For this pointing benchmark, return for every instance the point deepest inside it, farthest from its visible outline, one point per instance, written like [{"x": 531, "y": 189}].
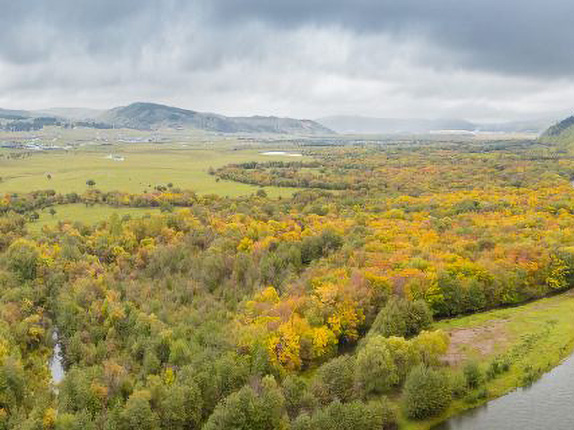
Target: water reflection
[
  {"x": 547, "y": 405},
  {"x": 56, "y": 361}
]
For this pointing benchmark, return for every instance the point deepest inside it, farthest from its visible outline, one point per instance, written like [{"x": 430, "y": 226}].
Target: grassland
[
  {"x": 534, "y": 338},
  {"x": 87, "y": 215},
  {"x": 181, "y": 160},
  {"x": 142, "y": 168}
]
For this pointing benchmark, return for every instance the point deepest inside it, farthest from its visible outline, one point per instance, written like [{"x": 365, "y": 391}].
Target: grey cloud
[
  {"x": 32, "y": 30},
  {"x": 480, "y": 58},
  {"x": 530, "y": 37}
]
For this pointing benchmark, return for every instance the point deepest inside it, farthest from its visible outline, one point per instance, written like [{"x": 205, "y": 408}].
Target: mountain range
[
  {"x": 152, "y": 116},
  {"x": 368, "y": 125}
]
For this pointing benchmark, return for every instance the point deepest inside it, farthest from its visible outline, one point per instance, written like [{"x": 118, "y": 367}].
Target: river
[
  {"x": 56, "y": 361},
  {"x": 548, "y": 404}
]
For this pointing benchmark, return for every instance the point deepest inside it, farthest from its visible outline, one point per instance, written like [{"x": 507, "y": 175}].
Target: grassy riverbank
[{"x": 533, "y": 338}]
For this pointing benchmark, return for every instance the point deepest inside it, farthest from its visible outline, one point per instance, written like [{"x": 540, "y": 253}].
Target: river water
[
  {"x": 548, "y": 404},
  {"x": 56, "y": 361}
]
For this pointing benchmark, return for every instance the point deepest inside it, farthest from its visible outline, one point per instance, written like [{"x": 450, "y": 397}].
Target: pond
[
  {"x": 287, "y": 154},
  {"x": 56, "y": 361},
  {"x": 547, "y": 404}
]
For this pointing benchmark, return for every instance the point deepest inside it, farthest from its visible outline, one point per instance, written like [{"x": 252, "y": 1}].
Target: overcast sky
[{"x": 474, "y": 59}]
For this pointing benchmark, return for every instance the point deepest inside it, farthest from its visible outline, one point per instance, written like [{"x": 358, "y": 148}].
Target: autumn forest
[{"x": 316, "y": 310}]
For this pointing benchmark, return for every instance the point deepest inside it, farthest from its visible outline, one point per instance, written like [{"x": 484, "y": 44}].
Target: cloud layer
[{"x": 479, "y": 59}]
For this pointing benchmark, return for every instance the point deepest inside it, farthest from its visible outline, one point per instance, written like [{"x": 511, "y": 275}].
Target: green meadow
[
  {"x": 128, "y": 167},
  {"x": 86, "y": 215},
  {"x": 142, "y": 167}
]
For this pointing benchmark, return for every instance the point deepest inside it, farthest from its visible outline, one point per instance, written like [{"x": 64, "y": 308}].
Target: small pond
[{"x": 287, "y": 154}]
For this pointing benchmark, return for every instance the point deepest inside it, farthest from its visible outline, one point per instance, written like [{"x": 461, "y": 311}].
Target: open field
[
  {"x": 86, "y": 215},
  {"x": 135, "y": 167},
  {"x": 138, "y": 168}
]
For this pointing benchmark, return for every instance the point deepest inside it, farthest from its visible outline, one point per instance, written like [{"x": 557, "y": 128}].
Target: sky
[{"x": 487, "y": 60}]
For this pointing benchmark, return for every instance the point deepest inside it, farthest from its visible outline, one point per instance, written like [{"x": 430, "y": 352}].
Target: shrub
[
  {"x": 401, "y": 317},
  {"x": 473, "y": 375},
  {"x": 497, "y": 367},
  {"x": 431, "y": 345},
  {"x": 477, "y": 396},
  {"x": 427, "y": 393},
  {"x": 458, "y": 385},
  {"x": 530, "y": 375}
]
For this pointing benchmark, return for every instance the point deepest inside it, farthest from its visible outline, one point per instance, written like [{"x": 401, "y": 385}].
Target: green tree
[
  {"x": 401, "y": 317},
  {"x": 12, "y": 385},
  {"x": 251, "y": 409},
  {"x": 426, "y": 394},
  {"x": 23, "y": 258},
  {"x": 79, "y": 421},
  {"x": 336, "y": 380},
  {"x": 349, "y": 416},
  {"x": 137, "y": 414},
  {"x": 180, "y": 407},
  {"x": 376, "y": 370},
  {"x": 406, "y": 355},
  {"x": 298, "y": 398}
]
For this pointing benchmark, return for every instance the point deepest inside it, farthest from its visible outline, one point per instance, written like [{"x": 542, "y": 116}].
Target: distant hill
[
  {"x": 73, "y": 114},
  {"x": 148, "y": 116},
  {"x": 368, "y": 125},
  {"x": 532, "y": 126},
  {"x": 152, "y": 116},
  {"x": 145, "y": 116},
  {"x": 561, "y": 132},
  {"x": 14, "y": 114}
]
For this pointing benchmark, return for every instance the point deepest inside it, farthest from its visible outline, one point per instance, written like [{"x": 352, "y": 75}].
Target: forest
[{"x": 314, "y": 311}]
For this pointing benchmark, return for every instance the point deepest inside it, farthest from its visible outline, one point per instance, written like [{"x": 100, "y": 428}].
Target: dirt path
[{"x": 479, "y": 340}]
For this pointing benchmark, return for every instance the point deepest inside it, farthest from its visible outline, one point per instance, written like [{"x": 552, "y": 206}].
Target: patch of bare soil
[{"x": 482, "y": 339}]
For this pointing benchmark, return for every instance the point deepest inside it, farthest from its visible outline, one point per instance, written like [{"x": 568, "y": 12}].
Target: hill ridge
[{"x": 146, "y": 115}]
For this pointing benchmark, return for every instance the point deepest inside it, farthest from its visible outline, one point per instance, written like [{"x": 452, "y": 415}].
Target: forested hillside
[{"x": 561, "y": 133}]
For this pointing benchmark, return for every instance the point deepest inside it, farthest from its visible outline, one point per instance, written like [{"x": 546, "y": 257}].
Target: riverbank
[{"x": 533, "y": 338}]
